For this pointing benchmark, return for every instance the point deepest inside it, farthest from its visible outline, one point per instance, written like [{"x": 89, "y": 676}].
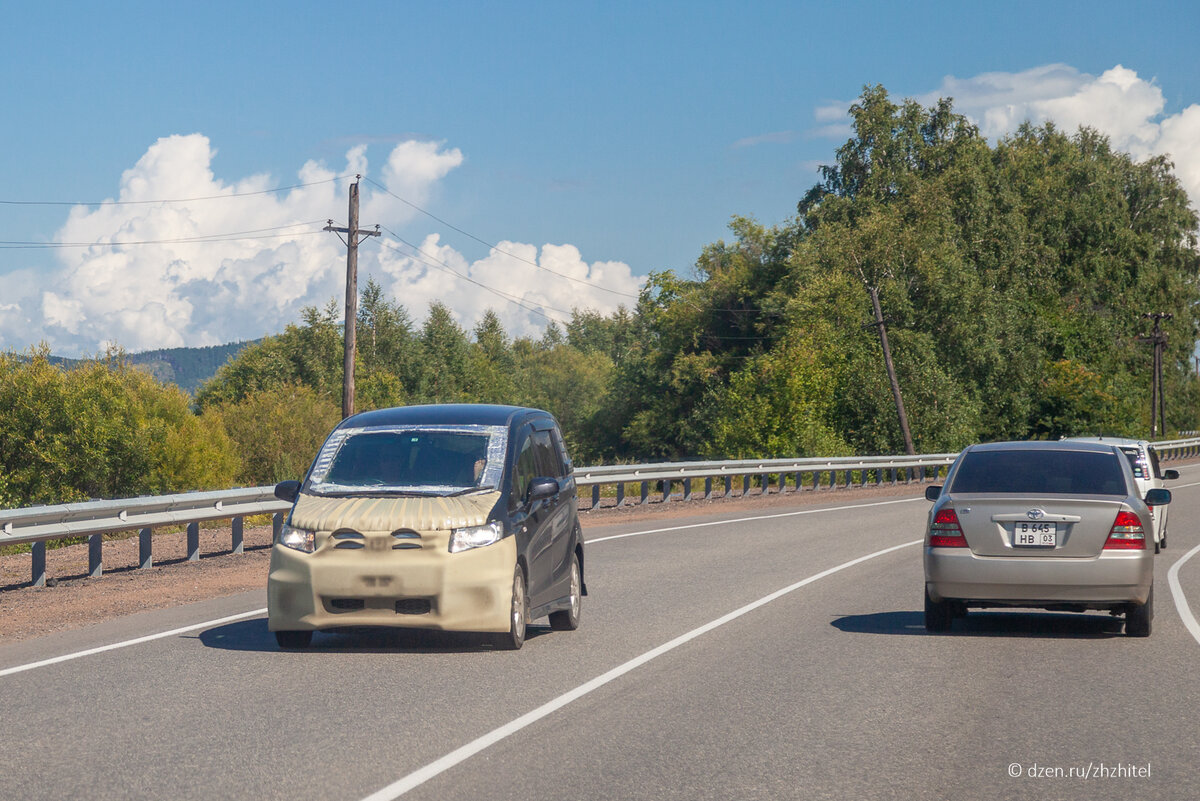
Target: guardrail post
[
  {"x": 766, "y": 484},
  {"x": 276, "y": 526},
  {"x": 193, "y": 542},
  {"x": 645, "y": 490},
  {"x": 39, "y": 564},
  {"x": 239, "y": 543},
  {"x": 95, "y": 563},
  {"x": 595, "y": 496},
  {"x": 745, "y": 486},
  {"x": 728, "y": 485},
  {"x": 666, "y": 490},
  {"x": 145, "y": 556},
  {"x": 687, "y": 489},
  {"x": 620, "y": 494},
  {"x": 708, "y": 488}
]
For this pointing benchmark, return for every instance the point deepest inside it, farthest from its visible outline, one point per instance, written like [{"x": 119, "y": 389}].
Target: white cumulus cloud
[
  {"x": 238, "y": 260},
  {"x": 525, "y": 286}
]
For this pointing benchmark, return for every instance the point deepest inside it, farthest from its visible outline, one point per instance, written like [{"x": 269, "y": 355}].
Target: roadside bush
[
  {"x": 277, "y": 432},
  {"x": 101, "y": 429}
]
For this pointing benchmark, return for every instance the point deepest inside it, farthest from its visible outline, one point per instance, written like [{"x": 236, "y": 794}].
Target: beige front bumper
[{"x": 468, "y": 591}]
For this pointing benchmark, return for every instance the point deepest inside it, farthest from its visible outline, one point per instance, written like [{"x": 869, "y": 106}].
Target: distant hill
[{"x": 187, "y": 368}]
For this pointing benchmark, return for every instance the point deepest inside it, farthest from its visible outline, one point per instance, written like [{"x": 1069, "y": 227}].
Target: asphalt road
[{"x": 772, "y": 656}]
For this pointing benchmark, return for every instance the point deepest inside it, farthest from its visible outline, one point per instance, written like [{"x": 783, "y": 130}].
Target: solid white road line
[
  {"x": 125, "y": 644},
  {"x": 751, "y": 519},
  {"x": 1181, "y": 604},
  {"x": 419, "y": 777}
]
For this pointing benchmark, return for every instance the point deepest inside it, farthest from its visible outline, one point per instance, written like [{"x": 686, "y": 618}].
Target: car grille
[
  {"x": 348, "y": 540},
  {"x": 406, "y": 540}
]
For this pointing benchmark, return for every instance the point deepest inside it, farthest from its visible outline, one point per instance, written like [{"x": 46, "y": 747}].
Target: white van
[{"x": 1148, "y": 474}]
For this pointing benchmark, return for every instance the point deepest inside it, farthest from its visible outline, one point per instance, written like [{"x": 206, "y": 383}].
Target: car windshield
[
  {"x": 433, "y": 460},
  {"x": 1040, "y": 472}
]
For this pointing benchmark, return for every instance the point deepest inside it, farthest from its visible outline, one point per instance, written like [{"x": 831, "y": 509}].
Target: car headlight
[
  {"x": 298, "y": 539},
  {"x": 464, "y": 539}
]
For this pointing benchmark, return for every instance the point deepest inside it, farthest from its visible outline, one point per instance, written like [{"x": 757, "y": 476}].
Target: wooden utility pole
[
  {"x": 352, "y": 232},
  {"x": 1157, "y": 402},
  {"x": 881, "y": 325}
]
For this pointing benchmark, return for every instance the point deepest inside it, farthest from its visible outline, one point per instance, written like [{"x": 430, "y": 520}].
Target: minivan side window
[
  {"x": 1154, "y": 463},
  {"x": 525, "y": 472},
  {"x": 549, "y": 462},
  {"x": 562, "y": 451}
]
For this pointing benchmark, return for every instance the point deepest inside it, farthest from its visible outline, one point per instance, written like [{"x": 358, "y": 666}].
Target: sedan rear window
[{"x": 1040, "y": 471}]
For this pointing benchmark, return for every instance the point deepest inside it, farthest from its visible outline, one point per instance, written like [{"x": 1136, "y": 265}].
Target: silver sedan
[{"x": 1051, "y": 525}]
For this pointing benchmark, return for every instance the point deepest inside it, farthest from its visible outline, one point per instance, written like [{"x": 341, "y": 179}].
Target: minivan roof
[{"x": 442, "y": 414}]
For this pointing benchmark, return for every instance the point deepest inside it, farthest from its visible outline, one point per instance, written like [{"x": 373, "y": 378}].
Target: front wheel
[
  {"x": 1137, "y": 618},
  {"x": 568, "y": 619},
  {"x": 518, "y": 617}
]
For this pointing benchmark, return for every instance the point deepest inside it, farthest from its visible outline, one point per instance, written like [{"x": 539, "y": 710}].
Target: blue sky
[{"x": 623, "y": 134}]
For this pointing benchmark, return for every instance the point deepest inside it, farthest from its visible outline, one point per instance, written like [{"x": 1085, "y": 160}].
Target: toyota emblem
[{"x": 1035, "y": 514}]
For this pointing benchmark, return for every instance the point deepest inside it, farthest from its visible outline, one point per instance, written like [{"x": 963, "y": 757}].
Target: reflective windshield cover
[
  {"x": 1040, "y": 471},
  {"x": 434, "y": 460}
]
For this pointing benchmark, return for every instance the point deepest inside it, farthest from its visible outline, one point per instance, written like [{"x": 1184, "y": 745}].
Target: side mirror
[
  {"x": 1158, "y": 497},
  {"x": 543, "y": 488},
  {"x": 1170, "y": 475},
  {"x": 287, "y": 491},
  {"x": 933, "y": 493}
]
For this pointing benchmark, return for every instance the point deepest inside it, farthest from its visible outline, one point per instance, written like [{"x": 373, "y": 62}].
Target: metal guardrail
[
  {"x": 812, "y": 474},
  {"x": 40, "y": 524}
]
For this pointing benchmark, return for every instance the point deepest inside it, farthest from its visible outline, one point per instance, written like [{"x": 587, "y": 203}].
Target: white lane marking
[
  {"x": 1181, "y": 604},
  {"x": 1184, "y": 486},
  {"x": 126, "y": 643},
  {"x": 422, "y": 775},
  {"x": 751, "y": 519}
]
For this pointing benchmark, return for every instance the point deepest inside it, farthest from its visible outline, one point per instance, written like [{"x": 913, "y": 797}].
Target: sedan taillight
[
  {"x": 945, "y": 532},
  {"x": 1126, "y": 534}
]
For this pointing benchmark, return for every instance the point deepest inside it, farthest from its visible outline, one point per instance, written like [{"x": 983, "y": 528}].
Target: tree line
[{"x": 1012, "y": 277}]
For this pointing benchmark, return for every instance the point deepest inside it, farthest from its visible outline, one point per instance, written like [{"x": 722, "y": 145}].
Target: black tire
[
  {"x": 938, "y": 614},
  {"x": 568, "y": 619},
  {"x": 293, "y": 640},
  {"x": 1138, "y": 617},
  {"x": 518, "y": 618}
]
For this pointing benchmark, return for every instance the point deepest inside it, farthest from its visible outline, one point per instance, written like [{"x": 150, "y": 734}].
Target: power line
[
  {"x": 166, "y": 200},
  {"x": 232, "y": 236},
  {"x": 493, "y": 247}
]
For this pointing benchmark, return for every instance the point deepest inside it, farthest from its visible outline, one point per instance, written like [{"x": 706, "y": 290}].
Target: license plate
[{"x": 1035, "y": 535}]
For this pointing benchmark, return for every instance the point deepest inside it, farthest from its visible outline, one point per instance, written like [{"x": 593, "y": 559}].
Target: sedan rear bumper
[{"x": 1105, "y": 581}]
